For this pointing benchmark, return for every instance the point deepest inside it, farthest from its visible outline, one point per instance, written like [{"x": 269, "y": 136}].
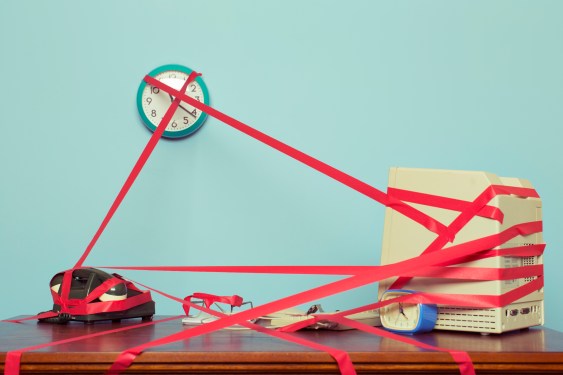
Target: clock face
[
  {"x": 404, "y": 317},
  {"x": 153, "y": 103},
  {"x": 400, "y": 316}
]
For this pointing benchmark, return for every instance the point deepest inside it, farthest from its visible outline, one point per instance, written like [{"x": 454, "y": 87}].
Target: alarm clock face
[
  {"x": 153, "y": 103},
  {"x": 404, "y": 317},
  {"x": 400, "y": 316}
]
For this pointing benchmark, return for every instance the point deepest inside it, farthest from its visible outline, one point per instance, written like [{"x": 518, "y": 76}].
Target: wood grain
[{"x": 532, "y": 351}]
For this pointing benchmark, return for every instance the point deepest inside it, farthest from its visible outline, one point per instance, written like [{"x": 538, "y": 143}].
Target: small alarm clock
[{"x": 407, "y": 318}]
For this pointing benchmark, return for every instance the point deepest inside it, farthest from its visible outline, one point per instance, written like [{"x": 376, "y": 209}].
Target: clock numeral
[
  {"x": 194, "y": 112},
  {"x": 153, "y": 113},
  {"x": 148, "y": 100},
  {"x": 185, "y": 120},
  {"x": 197, "y": 98},
  {"x": 192, "y": 86},
  {"x": 174, "y": 124},
  {"x": 155, "y": 90}
]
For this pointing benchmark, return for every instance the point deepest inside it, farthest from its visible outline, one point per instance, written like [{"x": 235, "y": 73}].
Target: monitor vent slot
[
  {"x": 510, "y": 262},
  {"x": 529, "y": 261},
  {"x": 466, "y": 318}
]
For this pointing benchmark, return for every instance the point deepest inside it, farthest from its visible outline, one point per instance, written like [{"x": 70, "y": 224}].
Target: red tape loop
[
  {"x": 489, "y": 212},
  {"x": 210, "y": 299}
]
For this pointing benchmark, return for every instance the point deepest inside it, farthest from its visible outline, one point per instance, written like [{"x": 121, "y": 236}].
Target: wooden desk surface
[{"x": 533, "y": 351}]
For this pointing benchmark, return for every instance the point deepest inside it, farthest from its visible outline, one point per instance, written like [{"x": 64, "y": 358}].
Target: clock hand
[
  {"x": 402, "y": 311},
  {"x": 181, "y": 106}
]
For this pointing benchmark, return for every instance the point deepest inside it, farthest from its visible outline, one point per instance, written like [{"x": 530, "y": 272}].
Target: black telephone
[{"x": 84, "y": 281}]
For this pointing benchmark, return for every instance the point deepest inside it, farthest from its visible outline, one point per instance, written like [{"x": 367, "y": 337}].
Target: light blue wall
[{"x": 361, "y": 85}]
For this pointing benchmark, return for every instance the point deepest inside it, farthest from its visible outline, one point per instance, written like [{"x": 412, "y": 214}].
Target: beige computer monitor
[{"x": 404, "y": 239}]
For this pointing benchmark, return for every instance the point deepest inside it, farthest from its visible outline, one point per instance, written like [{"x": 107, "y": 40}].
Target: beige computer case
[{"x": 404, "y": 239}]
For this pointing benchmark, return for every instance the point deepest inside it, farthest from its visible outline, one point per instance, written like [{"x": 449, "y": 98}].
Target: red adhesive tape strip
[
  {"x": 136, "y": 169},
  {"x": 94, "y": 294},
  {"x": 341, "y": 357},
  {"x": 352, "y": 182},
  {"x": 87, "y": 305},
  {"x": 13, "y": 358},
  {"x": 210, "y": 299},
  {"x": 427, "y": 262},
  {"x": 126, "y": 358},
  {"x": 466, "y": 215},
  {"x": 465, "y": 273},
  {"x": 461, "y": 358},
  {"x": 48, "y": 314},
  {"x": 462, "y": 300},
  {"x": 489, "y": 212},
  {"x": 461, "y": 253}
]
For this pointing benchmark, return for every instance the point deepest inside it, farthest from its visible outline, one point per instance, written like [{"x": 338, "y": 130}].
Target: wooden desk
[{"x": 533, "y": 351}]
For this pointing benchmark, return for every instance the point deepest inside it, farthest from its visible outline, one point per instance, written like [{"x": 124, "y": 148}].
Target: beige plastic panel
[{"x": 404, "y": 239}]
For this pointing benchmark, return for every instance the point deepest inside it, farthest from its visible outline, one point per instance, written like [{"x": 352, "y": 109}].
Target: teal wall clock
[{"x": 152, "y": 103}]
